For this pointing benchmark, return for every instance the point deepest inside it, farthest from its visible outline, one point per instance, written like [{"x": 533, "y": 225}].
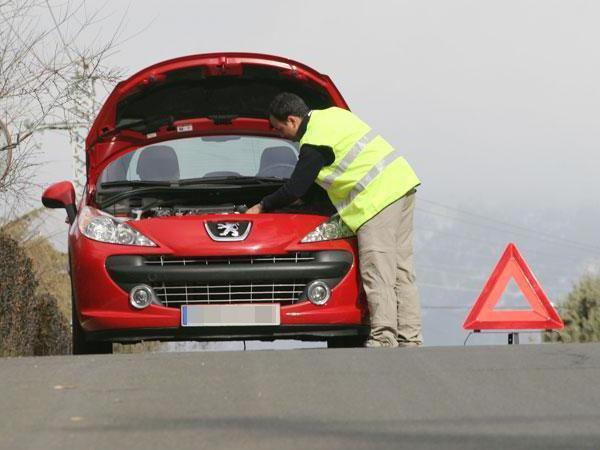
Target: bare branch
[{"x": 49, "y": 75}]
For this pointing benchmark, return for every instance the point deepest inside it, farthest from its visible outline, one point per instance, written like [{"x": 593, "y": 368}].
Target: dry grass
[
  {"x": 30, "y": 322},
  {"x": 141, "y": 347}
]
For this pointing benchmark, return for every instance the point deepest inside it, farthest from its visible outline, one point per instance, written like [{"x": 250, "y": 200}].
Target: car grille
[
  {"x": 296, "y": 257},
  {"x": 262, "y": 278},
  {"x": 283, "y": 292}
]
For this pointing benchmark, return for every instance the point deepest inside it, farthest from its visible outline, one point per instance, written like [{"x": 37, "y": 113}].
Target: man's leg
[
  {"x": 407, "y": 295},
  {"x": 377, "y": 254}
]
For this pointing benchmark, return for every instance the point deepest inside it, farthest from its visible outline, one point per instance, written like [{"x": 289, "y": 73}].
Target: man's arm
[{"x": 311, "y": 160}]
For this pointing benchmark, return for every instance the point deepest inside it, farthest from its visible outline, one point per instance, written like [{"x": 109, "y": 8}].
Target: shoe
[{"x": 374, "y": 343}]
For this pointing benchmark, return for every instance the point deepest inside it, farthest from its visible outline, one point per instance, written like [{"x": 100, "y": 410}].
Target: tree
[
  {"x": 580, "y": 313},
  {"x": 48, "y": 80}
]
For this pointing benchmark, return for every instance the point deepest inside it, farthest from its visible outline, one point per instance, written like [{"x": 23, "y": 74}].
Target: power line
[
  {"x": 449, "y": 288},
  {"x": 537, "y": 233},
  {"x": 444, "y": 307},
  {"x": 529, "y": 234},
  {"x": 524, "y": 231},
  {"x": 493, "y": 244},
  {"x": 447, "y": 270},
  {"x": 491, "y": 260}
]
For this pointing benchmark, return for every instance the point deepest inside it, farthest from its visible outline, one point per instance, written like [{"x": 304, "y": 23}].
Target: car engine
[{"x": 161, "y": 211}]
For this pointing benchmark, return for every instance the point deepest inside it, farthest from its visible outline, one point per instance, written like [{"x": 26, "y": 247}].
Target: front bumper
[
  {"x": 103, "y": 273},
  {"x": 259, "y": 279}
]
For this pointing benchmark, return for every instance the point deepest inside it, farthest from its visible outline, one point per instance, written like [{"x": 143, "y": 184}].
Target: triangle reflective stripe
[{"x": 485, "y": 316}]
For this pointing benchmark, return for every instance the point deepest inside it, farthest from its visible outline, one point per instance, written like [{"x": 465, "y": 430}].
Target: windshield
[{"x": 205, "y": 157}]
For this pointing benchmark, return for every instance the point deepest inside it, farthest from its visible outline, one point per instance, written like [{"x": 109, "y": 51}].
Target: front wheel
[{"x": 80, "y": 345}]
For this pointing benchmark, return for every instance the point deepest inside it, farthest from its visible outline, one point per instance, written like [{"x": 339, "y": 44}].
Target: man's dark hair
[{"x": 287, "y": 104}]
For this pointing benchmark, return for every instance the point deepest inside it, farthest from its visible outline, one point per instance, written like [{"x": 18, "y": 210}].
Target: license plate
[{"x": 229, "y": 315}]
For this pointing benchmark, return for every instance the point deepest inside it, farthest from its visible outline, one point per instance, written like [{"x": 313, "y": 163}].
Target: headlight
[
  {"x": 103, "y": 227},
  {"x": 334, "y": 228}
]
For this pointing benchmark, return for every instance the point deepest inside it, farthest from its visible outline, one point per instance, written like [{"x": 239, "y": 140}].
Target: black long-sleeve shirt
[{"x": 311, "y": 159}]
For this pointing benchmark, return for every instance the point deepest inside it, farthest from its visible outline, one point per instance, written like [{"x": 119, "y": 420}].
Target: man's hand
[{"x": 256, "y": 209}]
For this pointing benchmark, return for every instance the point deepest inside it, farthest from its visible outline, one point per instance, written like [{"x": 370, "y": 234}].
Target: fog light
[
  {"x": 141, "y": 296},
  {"x": 318, "y": 292}
]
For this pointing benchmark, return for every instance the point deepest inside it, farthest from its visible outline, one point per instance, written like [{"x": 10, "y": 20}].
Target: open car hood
[{"x": 214, "y": 93}]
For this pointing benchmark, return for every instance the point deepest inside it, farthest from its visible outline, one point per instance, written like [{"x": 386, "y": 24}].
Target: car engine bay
[
  {"x": 154, "y": 203},
  {"x": 161, "y": 211}
]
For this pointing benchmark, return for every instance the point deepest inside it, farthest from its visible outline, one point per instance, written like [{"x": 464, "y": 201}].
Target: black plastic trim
[{"x": 128, "y": 270}]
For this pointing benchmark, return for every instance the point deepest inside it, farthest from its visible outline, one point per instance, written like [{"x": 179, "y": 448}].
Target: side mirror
[{"x": 61, "y": 195}]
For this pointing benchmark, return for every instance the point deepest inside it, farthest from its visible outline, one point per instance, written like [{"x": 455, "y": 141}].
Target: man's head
[{"x": 286, "y": 112}]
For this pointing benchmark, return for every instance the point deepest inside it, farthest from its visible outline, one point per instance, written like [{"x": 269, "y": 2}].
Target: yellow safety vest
[{"x": 367, "y": 174}]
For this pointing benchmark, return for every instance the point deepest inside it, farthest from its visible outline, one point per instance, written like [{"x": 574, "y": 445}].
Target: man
[{"x": 373, "y": 189}]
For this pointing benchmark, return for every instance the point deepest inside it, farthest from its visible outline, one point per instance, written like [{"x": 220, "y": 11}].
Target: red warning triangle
[{"x": 484, "y": 316}]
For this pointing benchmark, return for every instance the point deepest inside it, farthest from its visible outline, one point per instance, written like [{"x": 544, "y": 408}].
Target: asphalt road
[{"x": 518, "y": 397}]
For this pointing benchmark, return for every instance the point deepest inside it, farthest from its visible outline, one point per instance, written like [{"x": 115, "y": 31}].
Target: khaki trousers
[{"x": 388, "y": 274}]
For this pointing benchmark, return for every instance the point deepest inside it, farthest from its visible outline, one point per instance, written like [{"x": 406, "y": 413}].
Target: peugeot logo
[{"x": 228, "y": 231}]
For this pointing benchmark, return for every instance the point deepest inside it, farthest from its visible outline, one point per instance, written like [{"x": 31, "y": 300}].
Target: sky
[
  {"x": 496, "y": 104},
  {"x": 493, "y": 101}
]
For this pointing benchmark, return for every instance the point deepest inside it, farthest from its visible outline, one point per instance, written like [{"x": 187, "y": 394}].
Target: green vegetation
[{"x": 581, "y": 313}]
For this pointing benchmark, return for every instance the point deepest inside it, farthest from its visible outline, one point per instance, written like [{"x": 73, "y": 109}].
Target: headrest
[
  {"x": 277, "y": 162},
  {"x": 158, "y": 163}
]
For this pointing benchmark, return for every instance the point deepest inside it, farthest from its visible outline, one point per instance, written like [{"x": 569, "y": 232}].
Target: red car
[{"x": 159, "y": 245}]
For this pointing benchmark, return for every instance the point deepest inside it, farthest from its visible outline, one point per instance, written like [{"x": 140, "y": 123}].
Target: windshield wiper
[
  {"x": 233, "y": 179},
  {"x": 134, "y": 192},
  {"x": 148, "y": 125},
  {"x": 135, "y": 183},
  {"x": 191, "y": 181}
]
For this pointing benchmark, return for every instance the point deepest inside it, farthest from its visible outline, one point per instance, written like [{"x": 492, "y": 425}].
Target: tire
[
  {"x": 346, "y": 341},
  {"x": 80, "y": 345}
]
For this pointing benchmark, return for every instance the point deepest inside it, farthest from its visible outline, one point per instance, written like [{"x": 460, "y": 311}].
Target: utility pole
[{"x": 79, "y": 113}]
